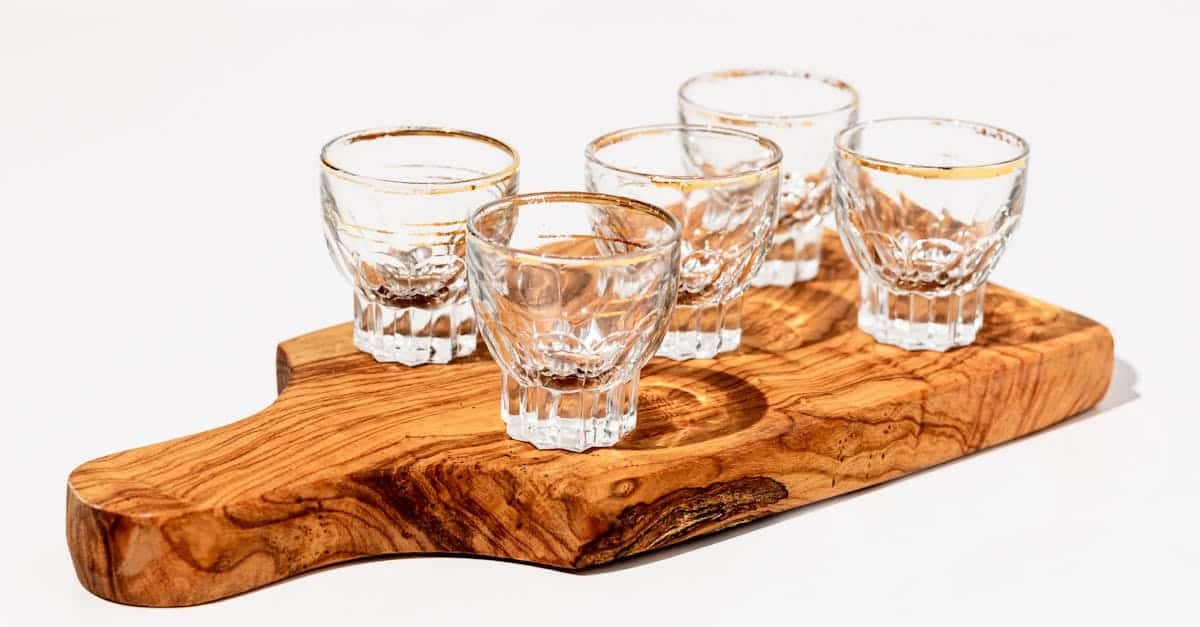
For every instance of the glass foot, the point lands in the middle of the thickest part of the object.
(916, 322)
(794, 257)
(414, 335)
(574, 420)
(702, 331)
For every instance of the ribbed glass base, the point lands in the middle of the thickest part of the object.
(794, 257)
(916, 322)
(414, 335)
(574, 420)
(702, 331)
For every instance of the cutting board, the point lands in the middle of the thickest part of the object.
(357, 458)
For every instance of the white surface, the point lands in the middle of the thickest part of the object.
(160, 213)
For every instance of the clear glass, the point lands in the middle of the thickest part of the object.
(573, 292)
(395, 202)
(801, 112)
(925, 207)
(723, 186)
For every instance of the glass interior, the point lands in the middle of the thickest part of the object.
(775, 93)
(574, 225)
(681, 151)
(419, 155)
(931, 142)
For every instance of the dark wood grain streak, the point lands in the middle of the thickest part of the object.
(357, 458)
(679, 514)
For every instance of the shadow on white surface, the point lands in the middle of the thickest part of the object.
(1120, 390)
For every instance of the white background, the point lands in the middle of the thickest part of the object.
(160, 233)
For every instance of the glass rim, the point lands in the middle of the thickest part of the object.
(966, 170)
(545, 198)
(470, 183)
(618, 136)
(742, 116)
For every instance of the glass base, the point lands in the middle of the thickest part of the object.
(916, 322)
(574, 420)
(794, 257)
(702, 331)
(414, 335)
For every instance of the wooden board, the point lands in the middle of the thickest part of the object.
(357, 458)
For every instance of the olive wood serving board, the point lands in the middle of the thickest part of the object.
(357, 458)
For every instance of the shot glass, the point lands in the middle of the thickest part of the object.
(573, 292)
(801, 112)
(723, 186)
(395, 203)
(925, 207)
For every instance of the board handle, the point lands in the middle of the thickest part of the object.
(133, 544)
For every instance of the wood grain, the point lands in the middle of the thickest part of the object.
(357, 458)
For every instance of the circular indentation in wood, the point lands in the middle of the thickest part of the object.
(782, 319)
(680, 405)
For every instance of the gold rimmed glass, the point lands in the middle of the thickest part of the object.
(801, 111)
(395, 203)
(722, 184)
(925, 207)
(573, 292)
